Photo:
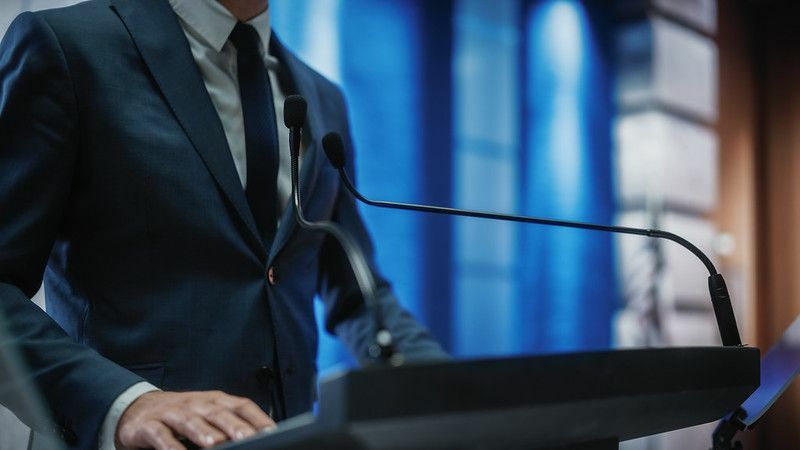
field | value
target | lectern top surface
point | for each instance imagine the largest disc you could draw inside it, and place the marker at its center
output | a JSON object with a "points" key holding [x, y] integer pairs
{"points": [[534, 402]]}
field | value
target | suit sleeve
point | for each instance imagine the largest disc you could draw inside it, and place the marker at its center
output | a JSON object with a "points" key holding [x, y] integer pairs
{"points": [[346, 313], [38, 154]]}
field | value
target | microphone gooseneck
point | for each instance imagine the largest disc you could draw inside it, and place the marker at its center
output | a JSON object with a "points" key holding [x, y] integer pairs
{"points": [[382, 349], [723, 310]]}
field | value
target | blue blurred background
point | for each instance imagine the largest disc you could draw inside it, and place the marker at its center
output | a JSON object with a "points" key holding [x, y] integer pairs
{"points": [[498, 105]]}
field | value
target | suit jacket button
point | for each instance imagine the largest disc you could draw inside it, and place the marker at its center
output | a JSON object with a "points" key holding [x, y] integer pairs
{"points": [[265, 375], [68, 436], [272, 276]]}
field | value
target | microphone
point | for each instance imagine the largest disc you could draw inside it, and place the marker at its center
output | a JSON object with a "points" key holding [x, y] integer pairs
{"points": [[720, 299], [382, 349]]}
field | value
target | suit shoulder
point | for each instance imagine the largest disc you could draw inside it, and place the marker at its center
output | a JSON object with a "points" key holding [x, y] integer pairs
{"points": [[76, 11], [81, 21], [330, 95], [323, 83]]}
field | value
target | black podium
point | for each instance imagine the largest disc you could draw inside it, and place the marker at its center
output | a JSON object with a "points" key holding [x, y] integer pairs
{"points": [[564, 401]]}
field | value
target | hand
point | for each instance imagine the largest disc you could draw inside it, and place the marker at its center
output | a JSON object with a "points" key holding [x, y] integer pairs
{"points": [[155, 419]]}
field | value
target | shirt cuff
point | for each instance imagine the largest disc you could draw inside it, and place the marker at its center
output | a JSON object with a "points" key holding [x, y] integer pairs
{"points": [[108, 432]]}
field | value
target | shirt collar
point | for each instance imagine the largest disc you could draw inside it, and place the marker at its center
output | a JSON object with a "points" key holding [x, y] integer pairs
{"points": [[214, 23]]}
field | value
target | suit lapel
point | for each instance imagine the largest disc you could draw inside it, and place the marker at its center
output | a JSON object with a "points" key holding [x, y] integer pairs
{"points": [[160, 40], [299, 82]]}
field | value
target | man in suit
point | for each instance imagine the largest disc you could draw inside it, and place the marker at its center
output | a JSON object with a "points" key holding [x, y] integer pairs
{"points": [[144, 177]]}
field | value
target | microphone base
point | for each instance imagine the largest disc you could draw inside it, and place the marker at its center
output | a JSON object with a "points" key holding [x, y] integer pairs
{"points": [[723, 311], [386, 355]]}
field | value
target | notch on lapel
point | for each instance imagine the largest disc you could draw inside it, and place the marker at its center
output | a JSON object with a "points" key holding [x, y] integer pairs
{"points": [[300, 82], [158, 36]]}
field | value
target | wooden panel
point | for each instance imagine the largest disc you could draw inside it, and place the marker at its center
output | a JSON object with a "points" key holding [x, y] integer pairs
{"points": [[779, 258], [737, 133], [760, 179]]}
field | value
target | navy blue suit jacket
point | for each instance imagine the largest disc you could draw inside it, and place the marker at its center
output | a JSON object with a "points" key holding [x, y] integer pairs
{"points": [[118, 189]]}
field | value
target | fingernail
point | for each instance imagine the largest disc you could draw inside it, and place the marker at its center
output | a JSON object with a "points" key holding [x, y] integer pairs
{"points": [[209, 439], [269, 429], [239, 435]]}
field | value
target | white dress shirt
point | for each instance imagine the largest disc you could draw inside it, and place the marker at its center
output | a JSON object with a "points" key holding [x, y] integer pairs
{"points": [[207, 26]]}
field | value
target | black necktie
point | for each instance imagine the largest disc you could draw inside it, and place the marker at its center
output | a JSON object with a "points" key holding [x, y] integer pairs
{"points": [[261, 134]]}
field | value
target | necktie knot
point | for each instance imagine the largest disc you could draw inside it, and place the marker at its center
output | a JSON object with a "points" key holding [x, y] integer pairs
{"points": [[244, 37]]}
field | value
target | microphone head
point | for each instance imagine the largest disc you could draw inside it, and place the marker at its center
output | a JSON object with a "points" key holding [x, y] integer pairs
{"points": [[294, 111], [334, 149]]}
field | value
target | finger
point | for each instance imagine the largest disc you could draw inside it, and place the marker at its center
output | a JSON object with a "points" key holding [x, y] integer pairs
{"points": [[249, 411], [158, 436], [228, 422], [255, 416], [194, 428]]}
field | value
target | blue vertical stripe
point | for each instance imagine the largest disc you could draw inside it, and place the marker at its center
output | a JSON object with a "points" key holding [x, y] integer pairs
{"points": [[501, 105], [486, 127], [381, 80], [379, 64], [568, 274]]}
